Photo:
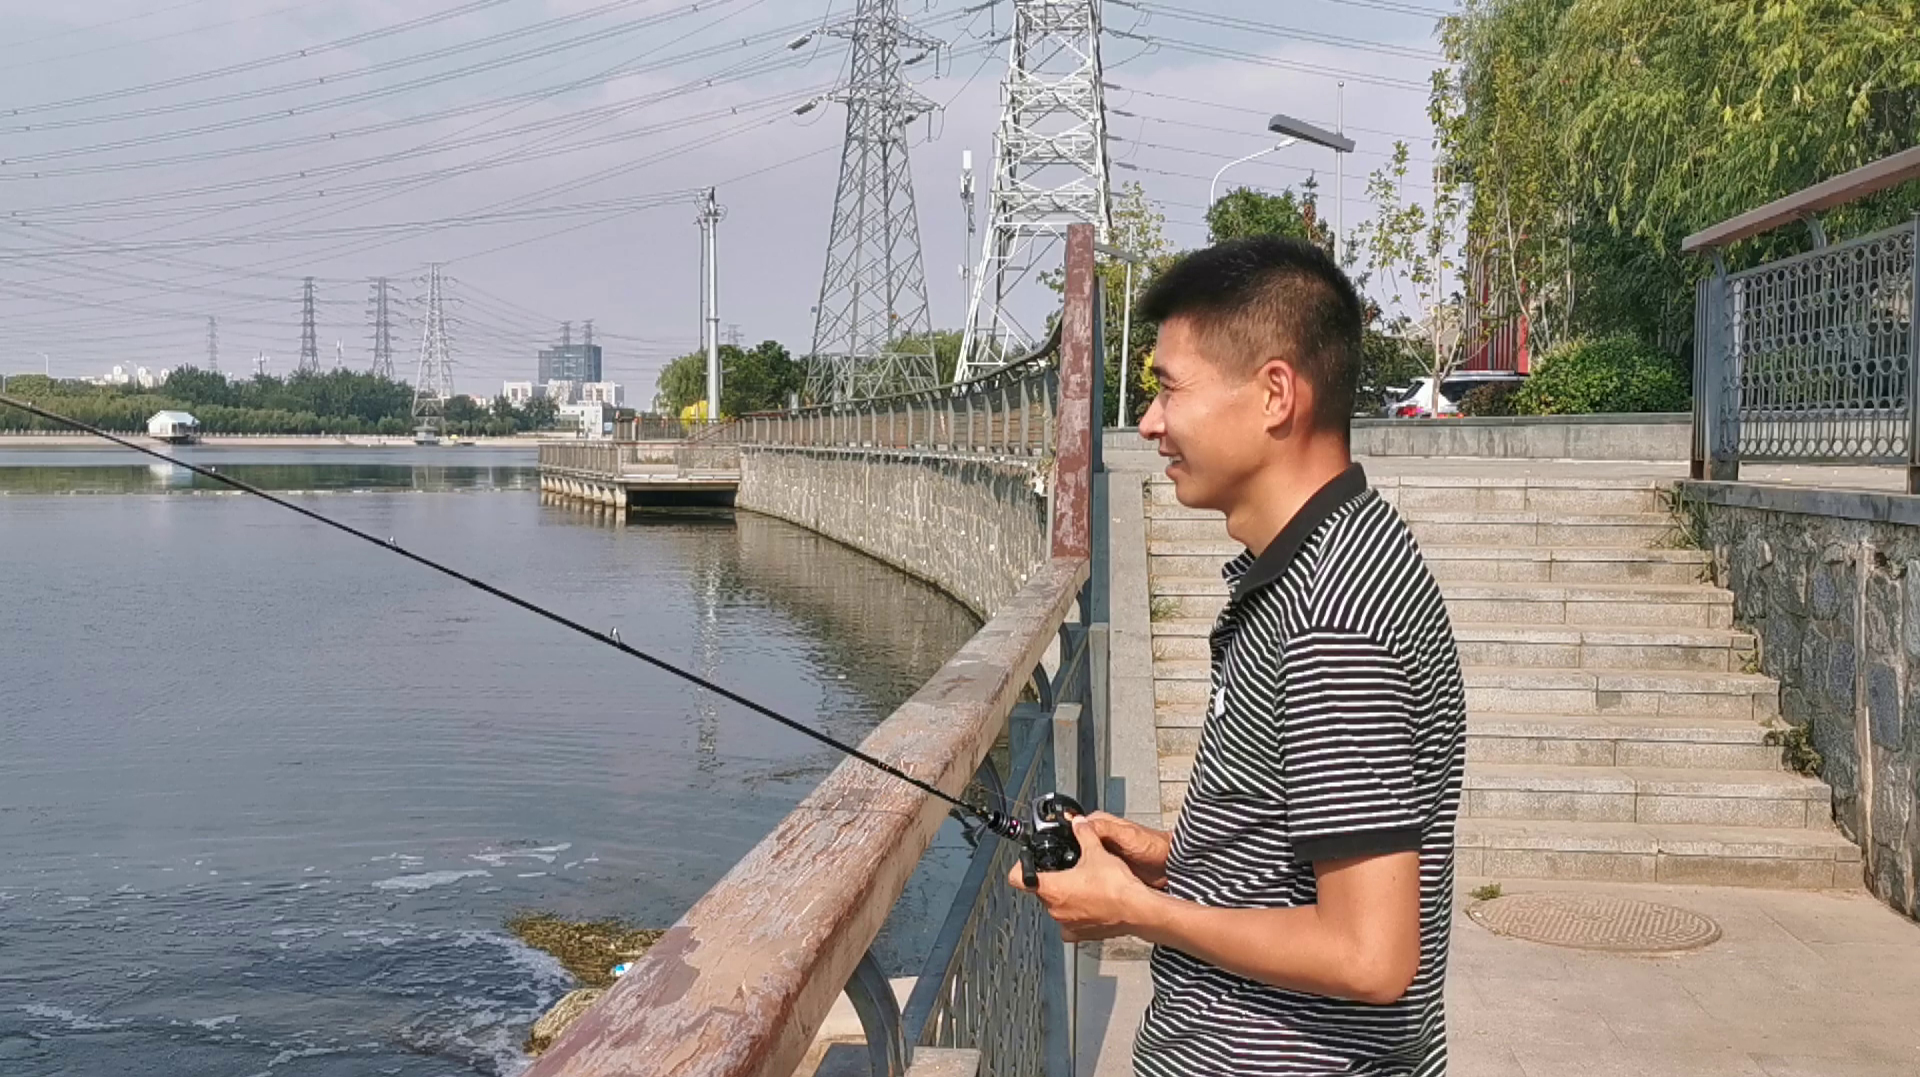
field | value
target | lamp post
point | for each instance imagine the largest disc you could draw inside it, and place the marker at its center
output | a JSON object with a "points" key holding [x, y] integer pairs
{"points": [[1303, 131], [1126, 322], [1280, 145]]}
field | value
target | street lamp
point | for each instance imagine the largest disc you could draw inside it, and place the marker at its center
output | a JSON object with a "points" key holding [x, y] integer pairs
{"points": [[1126, 321], [1280, 145], [1303, 131]]}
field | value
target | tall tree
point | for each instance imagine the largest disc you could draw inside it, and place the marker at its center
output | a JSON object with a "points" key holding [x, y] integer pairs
{"points": [[1244, 212]]}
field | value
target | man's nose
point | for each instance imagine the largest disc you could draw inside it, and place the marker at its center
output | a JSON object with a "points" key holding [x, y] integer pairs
{"points": [[1153, 425]]}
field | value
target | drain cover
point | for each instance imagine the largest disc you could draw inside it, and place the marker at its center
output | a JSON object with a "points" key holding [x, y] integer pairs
{"points": [[1595, 922]]}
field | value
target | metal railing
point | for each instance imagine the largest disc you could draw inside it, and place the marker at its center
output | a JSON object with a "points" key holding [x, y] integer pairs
{"points": [[1006, 413], [741, 983], [1811, 359], [588, 458]]}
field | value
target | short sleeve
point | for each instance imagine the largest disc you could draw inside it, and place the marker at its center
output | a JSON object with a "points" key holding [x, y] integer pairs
{"points": [[1346, 745]]}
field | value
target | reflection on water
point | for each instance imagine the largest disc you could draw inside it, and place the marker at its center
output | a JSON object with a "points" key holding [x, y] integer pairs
{"points": [[119, 471], [267, 795]]}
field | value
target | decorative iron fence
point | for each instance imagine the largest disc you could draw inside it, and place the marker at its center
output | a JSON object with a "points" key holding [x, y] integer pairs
{"points": [[1812, 357], [1815, 358], [1008, 412]]}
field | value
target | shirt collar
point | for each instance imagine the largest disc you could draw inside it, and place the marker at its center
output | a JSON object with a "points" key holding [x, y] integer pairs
{"points": [[1254, 572]]}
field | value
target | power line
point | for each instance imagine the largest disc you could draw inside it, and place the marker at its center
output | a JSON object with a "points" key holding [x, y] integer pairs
{"points": [[1271, 30], [1220, 53], [333, 79], [1258, 112], [254, 65]]}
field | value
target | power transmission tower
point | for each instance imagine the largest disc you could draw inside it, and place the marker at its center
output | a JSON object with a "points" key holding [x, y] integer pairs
{"points": [[1050, 170], [309, 345], [433, 385], [874, 290], [382, 330], [213, 344]]}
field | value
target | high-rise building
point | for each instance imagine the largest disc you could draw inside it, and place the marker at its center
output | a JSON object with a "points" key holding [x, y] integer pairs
{"points": [[522, 393], [569, 362]]}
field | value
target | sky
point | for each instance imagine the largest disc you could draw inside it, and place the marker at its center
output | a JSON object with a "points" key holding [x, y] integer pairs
{"points": [[163, 162]]}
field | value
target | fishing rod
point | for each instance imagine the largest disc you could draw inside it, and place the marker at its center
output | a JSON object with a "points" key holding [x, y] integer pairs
{"points": [[1045, 838]]}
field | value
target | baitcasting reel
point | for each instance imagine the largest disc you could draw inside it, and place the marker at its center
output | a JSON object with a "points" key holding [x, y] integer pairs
{"points": [[1046, 841]]}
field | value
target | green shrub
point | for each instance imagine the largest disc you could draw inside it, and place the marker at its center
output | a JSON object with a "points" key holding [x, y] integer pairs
{"points": [[1493, 398], [1616, 374]]}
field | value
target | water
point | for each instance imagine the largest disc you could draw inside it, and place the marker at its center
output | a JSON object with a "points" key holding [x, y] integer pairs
{"points": [[267, 794]]}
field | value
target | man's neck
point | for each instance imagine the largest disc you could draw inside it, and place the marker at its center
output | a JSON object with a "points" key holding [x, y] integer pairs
{"points": [[1276, 493]]}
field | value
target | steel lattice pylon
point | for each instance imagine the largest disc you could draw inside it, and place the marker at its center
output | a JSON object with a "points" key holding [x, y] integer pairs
{"points": [[433, 385], [309, 345], [382, 329], [1050, 170], [874, 290]]}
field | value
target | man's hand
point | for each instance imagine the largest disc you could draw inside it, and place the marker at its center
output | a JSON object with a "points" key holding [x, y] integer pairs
{"points": [[1096, 898], [1143, 849]]}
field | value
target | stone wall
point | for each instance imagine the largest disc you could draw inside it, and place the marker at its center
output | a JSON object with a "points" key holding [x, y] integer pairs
{"points": [[974, 528], [1830, 583]]}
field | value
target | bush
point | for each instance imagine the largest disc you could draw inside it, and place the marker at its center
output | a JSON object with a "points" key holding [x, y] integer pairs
{"points": [[1616, 374], [1493, 398]]}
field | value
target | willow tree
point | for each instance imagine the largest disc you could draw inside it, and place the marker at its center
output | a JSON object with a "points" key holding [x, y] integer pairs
{"points": [[1599, 133]]}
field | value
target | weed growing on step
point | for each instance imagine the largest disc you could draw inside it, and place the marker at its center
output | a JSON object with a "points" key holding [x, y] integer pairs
{"points": [[1487, 892], [1162, 608], [1690, 520], [1796, 745]]}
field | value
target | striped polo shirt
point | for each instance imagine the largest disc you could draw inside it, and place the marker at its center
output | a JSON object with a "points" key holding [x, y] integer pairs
{"points": [[1335, 727]]}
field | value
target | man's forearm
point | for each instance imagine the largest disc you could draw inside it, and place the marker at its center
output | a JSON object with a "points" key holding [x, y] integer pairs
{"points": [[1295, 948]]}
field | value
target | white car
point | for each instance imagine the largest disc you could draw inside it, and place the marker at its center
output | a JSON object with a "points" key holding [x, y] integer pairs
{"points": [[1417, 401]]}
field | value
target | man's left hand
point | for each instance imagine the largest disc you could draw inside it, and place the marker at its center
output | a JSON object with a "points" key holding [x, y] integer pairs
{"points": [[1095, 899]]}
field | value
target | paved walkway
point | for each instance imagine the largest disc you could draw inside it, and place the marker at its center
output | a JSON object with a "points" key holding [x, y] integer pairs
{"points": [[1821, 984]]}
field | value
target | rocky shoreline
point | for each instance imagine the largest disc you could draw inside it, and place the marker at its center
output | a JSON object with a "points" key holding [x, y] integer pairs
{"points": [[588, 950]]}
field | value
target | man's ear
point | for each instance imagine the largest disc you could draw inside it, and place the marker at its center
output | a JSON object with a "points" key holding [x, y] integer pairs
{"points": [[1280, 387]]}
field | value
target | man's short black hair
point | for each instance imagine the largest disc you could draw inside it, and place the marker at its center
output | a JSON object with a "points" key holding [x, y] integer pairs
{"points": [[1265, 297]]}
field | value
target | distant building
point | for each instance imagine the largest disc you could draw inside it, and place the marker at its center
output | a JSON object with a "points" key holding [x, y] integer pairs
{"points": [[603, 392], [593, 420], [570, 362], [563, 392], [522, 393], [175, 427]]}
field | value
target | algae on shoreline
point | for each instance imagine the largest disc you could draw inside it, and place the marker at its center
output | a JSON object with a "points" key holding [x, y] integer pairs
{"points": [[588, 949]]}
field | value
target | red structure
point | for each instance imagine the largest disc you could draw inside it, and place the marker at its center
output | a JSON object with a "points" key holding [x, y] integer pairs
{"points": [[1496, 336]]}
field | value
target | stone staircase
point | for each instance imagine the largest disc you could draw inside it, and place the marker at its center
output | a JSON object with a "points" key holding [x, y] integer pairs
{"points": [[1616, 730]]}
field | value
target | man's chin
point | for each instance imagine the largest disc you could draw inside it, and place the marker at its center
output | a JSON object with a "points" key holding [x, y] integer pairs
{"points": [[1185, 489]]}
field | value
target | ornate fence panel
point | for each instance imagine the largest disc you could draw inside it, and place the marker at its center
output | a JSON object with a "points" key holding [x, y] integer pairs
{"points": [[1817, 354], [1814, 358]]}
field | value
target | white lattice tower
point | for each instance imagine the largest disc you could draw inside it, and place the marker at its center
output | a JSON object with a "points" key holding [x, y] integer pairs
{"points": [[1050, 171], [873, 292], [433, 385]]}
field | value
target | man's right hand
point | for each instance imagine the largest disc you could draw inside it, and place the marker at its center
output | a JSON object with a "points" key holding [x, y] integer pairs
{"points": [[1143, 849]]}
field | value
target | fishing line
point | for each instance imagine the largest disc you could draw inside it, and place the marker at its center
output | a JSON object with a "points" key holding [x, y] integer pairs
{"points": [[997, 822]]}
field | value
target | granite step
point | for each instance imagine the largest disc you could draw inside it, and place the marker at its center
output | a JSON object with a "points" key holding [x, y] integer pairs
{"points": [[1682, 694], [1646, 795], [1594, 605], [1590, 495], [1580, 740], [1786, 858], [1488, 564], [1436, 528], [1714, 650]]}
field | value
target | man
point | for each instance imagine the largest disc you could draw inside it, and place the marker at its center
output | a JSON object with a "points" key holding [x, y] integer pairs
{"points": [[1300, 909]]}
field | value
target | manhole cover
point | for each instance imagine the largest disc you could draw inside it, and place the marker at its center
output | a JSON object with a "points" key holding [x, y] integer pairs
{"points": [[1595, 922]]}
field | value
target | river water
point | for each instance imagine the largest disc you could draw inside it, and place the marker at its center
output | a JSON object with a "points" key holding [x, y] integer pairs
{"points": [[268, 794]]}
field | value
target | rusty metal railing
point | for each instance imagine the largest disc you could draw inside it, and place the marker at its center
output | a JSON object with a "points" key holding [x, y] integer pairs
{"points": [[739, 986]]}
